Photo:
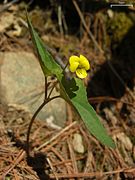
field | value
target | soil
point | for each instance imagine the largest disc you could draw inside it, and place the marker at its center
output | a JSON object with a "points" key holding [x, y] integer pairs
{"points": [[111, 91]]}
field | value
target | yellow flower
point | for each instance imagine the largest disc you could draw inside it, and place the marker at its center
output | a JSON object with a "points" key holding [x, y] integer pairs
{"points": [[80, 65]]}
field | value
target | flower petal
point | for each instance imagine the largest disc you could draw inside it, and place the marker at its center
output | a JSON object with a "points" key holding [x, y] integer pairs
{"points": [[81, 73], [84, 62], [73, 59], [73, 66]]}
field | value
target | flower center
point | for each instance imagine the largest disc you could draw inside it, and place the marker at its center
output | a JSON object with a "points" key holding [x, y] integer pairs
{"points": [[80, 66]]}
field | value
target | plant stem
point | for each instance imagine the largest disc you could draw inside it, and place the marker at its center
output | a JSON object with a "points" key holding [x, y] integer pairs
{"points": [[32, 120], [46, 100], [65, 67], [46, 86], [52, 89], [30, 126]]}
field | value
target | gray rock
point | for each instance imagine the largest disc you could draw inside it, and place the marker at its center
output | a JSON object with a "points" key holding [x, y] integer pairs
{"points": [[22, 82]]}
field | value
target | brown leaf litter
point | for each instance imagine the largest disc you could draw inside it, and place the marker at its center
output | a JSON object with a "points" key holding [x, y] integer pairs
{"points": [[53, 155]]}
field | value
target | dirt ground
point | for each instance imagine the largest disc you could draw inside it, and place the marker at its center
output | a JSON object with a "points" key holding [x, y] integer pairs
{"points": [[111, 91]]}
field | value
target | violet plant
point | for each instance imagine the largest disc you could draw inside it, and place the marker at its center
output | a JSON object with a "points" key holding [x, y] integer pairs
{"points": [[73, 91]]}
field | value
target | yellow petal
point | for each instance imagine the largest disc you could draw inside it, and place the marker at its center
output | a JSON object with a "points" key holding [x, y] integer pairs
{"points": [[74, 59], [84, 62], [81, 73], [73, 66]]}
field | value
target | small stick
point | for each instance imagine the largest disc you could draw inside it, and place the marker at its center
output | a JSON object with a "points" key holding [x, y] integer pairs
{"points": [[5, 7], [85, 26], [55, 137], [51, 166]]}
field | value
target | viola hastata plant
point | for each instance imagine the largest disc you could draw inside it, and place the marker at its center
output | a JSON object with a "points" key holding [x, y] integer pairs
{"points": [[73, 90]]}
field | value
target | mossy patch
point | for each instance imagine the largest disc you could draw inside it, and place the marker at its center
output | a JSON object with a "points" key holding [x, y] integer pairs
{"points": [[118, 27]]}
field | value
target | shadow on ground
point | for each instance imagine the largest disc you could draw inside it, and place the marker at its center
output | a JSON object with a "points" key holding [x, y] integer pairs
{"points": [[38, 164], [38, 161], [118, 73]]}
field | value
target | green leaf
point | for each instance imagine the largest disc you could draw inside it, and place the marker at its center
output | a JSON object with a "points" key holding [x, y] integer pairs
{"points": [[78, 97], [48, 65], [73, 91]]}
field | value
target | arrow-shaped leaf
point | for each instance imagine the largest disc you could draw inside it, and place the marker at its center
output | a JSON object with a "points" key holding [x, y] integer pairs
{"points": [[47, 63], [73, 91], [77, 94]]}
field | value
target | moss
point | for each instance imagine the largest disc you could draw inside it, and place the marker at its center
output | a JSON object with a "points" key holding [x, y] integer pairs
{"points": [[118, 27], [132, 138]]}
